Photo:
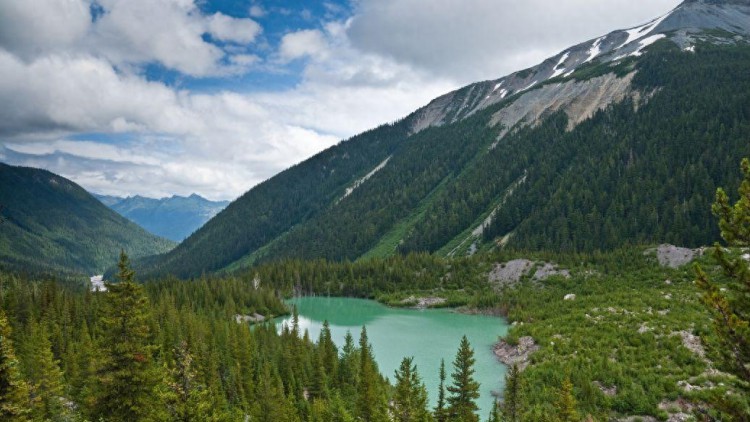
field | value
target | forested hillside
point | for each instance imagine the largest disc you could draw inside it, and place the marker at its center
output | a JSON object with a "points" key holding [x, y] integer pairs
{"points": [[50, 222], [638, 171]]}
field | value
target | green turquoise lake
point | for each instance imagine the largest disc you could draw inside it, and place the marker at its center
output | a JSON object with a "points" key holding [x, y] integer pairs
{"points": [[428, 335]]}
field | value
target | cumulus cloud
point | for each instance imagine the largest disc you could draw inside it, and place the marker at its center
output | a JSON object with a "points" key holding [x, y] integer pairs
{"points": [[32, 27], [227, 28], [310, 42], [472, 40]]}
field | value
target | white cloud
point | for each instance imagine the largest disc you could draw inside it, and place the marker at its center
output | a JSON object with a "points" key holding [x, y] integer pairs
{"points": [[31, 27], [127, 33], [309, 42], [257, 11], [227, 28]]}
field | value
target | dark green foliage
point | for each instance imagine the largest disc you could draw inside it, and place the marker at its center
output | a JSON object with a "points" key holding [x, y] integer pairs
{"points": [[272, 208], [410, 396], [128, 378], [730, 304], [441, 413], [371, 399], [52, 223], [632, 174], [513, 397], [464, 391], [15, 403]]}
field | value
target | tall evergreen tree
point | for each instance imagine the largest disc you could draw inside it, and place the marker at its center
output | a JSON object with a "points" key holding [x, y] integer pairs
{"points": [[371, 400], [43, 373], [440, 410], [410, 394], [128, 378], [464, 390], [566, 403], [14, 392], [188, 400], [513, 395], [329, 351], [730, 304]]}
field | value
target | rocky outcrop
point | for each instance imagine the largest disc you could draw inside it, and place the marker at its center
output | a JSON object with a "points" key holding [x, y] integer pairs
{"points": [[423, 302], [578, 99], [510, 273], [674, 256], [253, 319], [519, 354]]}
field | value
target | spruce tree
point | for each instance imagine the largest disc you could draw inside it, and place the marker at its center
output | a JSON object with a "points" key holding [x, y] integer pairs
{"points": [[187, 400], [14, 392], [410, 395], [371, 401], [512, 397], [464, 391], [329, 352], [43, 373], [730, 303], [128, 378], [440, 410], [566, 403]]}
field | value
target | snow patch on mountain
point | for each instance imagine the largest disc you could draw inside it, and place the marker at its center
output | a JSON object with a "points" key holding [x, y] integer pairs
{"points": [[595, 50], [646, 42], [642, 31], [560, 67]]}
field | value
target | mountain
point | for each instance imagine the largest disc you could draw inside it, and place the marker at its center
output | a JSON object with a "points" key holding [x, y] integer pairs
{"points": [[49, 221], [622, 139], [173, 218]]}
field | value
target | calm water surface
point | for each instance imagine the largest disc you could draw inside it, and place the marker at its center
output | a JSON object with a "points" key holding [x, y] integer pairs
{"points": [[427, 335]]}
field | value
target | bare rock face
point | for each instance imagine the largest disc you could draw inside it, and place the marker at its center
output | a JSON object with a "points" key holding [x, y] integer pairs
{"points": [[516, 355], [548, 270], [510, 273], [423, 302], [673, 256], [607, 391], [253, 319]]}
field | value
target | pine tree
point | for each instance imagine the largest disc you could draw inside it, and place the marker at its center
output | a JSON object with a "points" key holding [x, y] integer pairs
{"points": [[730, 305], [371, 402], [513, 395], [329, 351], [566, 403], [464, 390], [440, 411], [43, 373], [495, 413], [187, 400], [14, 392], [410, 395], [128, 378]]}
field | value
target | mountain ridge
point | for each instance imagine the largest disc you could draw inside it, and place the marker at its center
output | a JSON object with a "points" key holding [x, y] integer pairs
{"points": [[428, 187], [174, 217], [52, 222]]}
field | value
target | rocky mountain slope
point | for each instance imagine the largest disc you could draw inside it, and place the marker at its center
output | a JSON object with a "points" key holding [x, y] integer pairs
{"points": [[49, 221], [620, 139], [173, 218]]}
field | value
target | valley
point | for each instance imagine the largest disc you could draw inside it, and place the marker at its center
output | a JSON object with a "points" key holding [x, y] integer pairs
{"points": [[566, 243]]}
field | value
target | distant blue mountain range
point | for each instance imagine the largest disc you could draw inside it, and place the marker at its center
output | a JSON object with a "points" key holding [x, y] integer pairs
{"points": [[174, 218]]}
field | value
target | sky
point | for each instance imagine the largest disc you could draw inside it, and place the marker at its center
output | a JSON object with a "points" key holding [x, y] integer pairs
{"points": [[164, 97]]}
